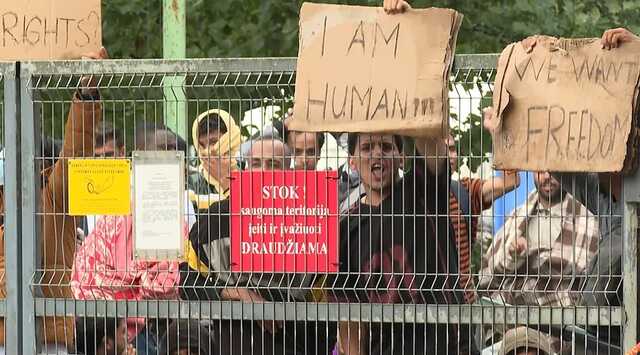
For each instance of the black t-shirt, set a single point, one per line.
(403, 252)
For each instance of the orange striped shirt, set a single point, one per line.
(464, 240)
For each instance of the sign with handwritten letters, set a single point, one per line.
(284, 221)
(49, 29)
(99, 187)
(361, 70)
(568, 105)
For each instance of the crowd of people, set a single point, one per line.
(407, 231)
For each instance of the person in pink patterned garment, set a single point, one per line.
(104, 267)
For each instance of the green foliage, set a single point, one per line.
(259, 28)
(263, 28)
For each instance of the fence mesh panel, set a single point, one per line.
(437, 252)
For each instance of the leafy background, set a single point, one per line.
(268, 28)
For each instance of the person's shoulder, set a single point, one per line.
(212, 215)
(218, 207)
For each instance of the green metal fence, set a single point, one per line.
(37, 98)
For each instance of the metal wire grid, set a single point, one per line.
(136, 91)
(2, 213)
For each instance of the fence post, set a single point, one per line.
(630, 261)
(12, 235)
(30, 198)
(174, 39)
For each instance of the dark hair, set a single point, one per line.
(285, 133)
(181, 144)
(91, 331)
(105, 132)
(50, 149)
(525, 348)
(145, 131)
(186, 335)
(211, 123)
(353, 141)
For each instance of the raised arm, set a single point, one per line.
(434, 151)
(84, 115)
(498, 186)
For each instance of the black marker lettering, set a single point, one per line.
(552, 131)
(600, 70)
(551, 67)
(29, 31)
(530, 131)
(344, 102)
(536, 72)
(359, 29)
(606, 137)
(585, 64)
(397, 99)
(570, 137)
(324, 35)
(48, 32)
(583, 113)
(615, 70)
(395, 33)
(86, 35)
(591, 121)
(381, 105)
(361, 99)
(317, 102)
(66, 27)
(6, 28)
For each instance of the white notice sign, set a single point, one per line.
(158, 204)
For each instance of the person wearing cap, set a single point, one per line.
(210, 277)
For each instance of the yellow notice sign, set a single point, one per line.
(99, 187)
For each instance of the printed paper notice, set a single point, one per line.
(99, 187)
(158, 199)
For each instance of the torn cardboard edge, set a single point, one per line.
(411, 126)
(45, 29)
(625, 160)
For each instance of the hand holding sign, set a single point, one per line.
(565, 104)
(45, 29)
(614, 37)
(395, 6)
(360, 70)
(89, 83)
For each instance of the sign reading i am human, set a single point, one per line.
(567, 105)
(362, 70)
(284, 221)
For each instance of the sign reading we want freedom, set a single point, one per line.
(361, 70)
(568, 105)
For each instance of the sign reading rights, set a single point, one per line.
(284, 221)
(361, 70)
(49, 29)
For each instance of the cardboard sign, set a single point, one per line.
(99, 187)
(361, 70)
(566, 106)
(284, 221)
(49, 29)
